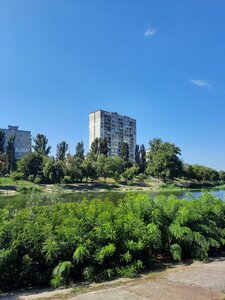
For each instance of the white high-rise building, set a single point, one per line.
(22, 142)
(116, 128)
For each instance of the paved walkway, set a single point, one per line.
(200, 281)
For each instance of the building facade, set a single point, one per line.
(116, 128)
(22, 142)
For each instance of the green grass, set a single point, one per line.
(7, 181)
(21, 186)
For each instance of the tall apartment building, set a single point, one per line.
(116, 128)
(22, 140)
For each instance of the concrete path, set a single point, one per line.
(200, 281)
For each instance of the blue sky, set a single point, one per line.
(160, 62)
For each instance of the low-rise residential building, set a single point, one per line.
(22, 142)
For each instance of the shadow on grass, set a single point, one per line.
(8, 187)
(90, 186)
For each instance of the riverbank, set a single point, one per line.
(10, 187)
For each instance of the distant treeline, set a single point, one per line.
(162, 161)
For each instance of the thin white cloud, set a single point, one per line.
(202, 83)
(150, 31)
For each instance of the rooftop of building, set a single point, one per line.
(109, 112)
(15, 128)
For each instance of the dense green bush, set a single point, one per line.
(16, 175)
(67, 179)
(94, 240)
(24, 189)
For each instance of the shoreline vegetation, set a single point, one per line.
(9, 186)
(57, 243)
(158, 168)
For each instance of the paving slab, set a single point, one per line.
(198, 281)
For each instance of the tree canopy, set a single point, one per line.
(125, 153)
(11, 153)
(99, 146)
(40, 144)
(80, 150)
(163, 160)
(2, 141)
(61, 150)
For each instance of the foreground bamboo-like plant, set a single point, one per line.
(59, 243)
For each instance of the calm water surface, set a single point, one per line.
(19, 201)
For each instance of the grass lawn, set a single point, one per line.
(7, 181)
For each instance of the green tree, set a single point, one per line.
(155, 145)
(105, 166)
(75, 169)
(129, 173)
(11, 154)
(222, 176)
(142, 165)
(103, 146)
(201, 173)
(118, 164)
(31, 165)
(2, 141)
(61, 150)
(53, 170)
(89, 168)
(124, 153)
(80, 150)
(3, 164)
(164, 162)
(95, 147)
(40, 144)
(99, 146)
(137, 155)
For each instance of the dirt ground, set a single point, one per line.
(197, 280)
(87, 187)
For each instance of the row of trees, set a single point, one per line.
(164, 163)
(162, 160)
(39, 167)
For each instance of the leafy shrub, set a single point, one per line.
(61, 273)
(29, 189)
(31, 178)
(175, 250)
(67, 179)
(16, 175)
(80, 254)
(54, 242)
(23, 189)
(37, 179)
(141, 177)
(116, 177)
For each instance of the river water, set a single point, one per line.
(20, 200)
(220, 193)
